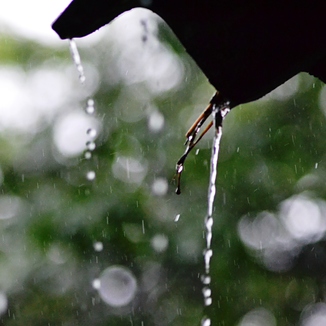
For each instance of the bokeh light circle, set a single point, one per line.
(118, 286)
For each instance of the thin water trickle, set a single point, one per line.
(76, 58)
(90, 109)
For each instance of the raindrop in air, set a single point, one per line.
(96, 284)
(91, 145)
(88, 155)
(206, 322)
(90, 109)
(91, 175)
(177, 217)
(208, 253)
(206, 279)
(91, 132)
(98, 246)
(207, 292)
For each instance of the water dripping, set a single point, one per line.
(91, 132)
(206, 322)
(88, 155)
(76, 58)
(218, 103)
(90, 109)
(90, 145)
(219, 112)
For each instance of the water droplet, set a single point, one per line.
(177, 217)
(91, 145)
(91, 132)
(82, 77)
(316, 165)
(88, 155)
(206, 279)
(208, 253)
(90, 102)
(197, 151)
(90, 109)
(179, 168)
(91, 175)
(98, 246)
(96, 283)
(206, 322)
(208, 301)
(207, 292)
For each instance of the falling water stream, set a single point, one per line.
(219, 113)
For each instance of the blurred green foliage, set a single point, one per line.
(52, 216)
